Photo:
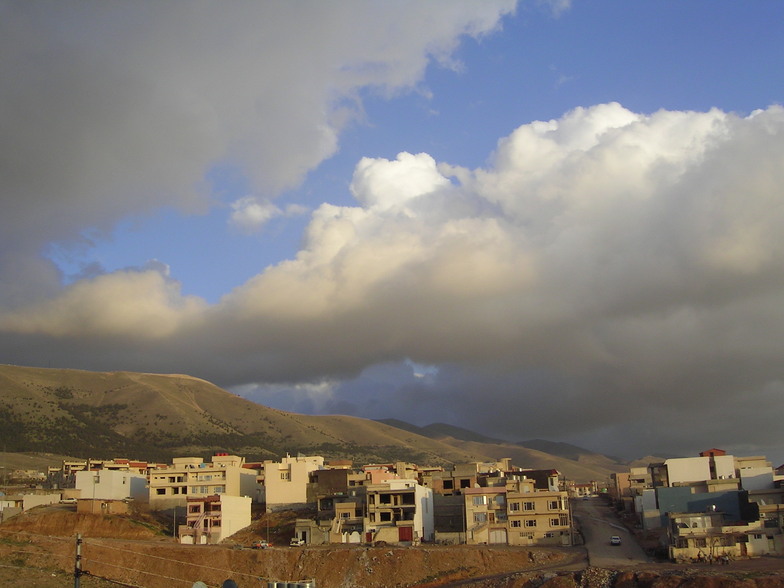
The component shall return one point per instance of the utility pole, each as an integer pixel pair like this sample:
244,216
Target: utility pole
78,562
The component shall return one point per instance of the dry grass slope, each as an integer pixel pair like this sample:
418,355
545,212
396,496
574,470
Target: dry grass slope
157,416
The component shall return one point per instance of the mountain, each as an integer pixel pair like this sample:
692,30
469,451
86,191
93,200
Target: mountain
556,448
440,431
157,417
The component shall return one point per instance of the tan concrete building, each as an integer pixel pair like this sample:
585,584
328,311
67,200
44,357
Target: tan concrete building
517,515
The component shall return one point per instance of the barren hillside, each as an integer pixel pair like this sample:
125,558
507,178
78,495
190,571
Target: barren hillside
154,416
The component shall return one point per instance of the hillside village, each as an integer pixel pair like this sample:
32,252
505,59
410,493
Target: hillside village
711,506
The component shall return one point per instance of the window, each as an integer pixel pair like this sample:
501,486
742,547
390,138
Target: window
160,491
480,517
515,524
385,516
554,505
514,506
285,476
480,500
448,484
530,523
564,520
555,522
528,506
700,542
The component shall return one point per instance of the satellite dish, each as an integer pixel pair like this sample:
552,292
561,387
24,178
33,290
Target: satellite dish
199,584
229,584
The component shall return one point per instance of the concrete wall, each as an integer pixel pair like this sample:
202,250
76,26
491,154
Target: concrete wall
235,514
756,478
688,469
725,466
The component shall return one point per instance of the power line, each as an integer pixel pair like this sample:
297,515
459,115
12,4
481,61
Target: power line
169,559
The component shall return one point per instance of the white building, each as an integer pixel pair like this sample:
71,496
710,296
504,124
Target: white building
111,485
210,519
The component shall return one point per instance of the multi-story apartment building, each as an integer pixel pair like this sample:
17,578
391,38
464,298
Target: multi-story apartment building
191,477
541,517
518,514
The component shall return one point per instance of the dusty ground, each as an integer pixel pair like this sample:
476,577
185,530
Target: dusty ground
38,550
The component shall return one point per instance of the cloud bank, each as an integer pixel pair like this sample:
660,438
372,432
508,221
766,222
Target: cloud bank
607,274
114,110
609,278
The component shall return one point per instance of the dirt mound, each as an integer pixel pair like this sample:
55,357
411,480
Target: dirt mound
62,521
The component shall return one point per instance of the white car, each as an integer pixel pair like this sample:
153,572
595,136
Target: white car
615,540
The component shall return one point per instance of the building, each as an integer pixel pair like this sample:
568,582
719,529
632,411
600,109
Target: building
541,517
485,515
111,485
399,511
711,535
518,514
286,482
210,519
191,477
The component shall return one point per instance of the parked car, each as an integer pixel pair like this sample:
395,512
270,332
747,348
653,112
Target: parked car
260,544
296,542
615,540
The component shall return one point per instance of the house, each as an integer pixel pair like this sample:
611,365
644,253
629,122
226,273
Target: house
170,487
399,511
210,519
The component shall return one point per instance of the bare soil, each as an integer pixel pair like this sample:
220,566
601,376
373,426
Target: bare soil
37,549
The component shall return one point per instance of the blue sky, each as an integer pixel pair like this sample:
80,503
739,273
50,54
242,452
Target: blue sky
352,208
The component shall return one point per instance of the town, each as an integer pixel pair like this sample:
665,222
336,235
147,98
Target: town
696,508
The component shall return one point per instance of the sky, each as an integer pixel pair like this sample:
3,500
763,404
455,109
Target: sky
535,219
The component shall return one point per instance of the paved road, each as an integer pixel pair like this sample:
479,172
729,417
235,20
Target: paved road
597,523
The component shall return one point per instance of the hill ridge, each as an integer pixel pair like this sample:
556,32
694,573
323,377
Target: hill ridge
159,416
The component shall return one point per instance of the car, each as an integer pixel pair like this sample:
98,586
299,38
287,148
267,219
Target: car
296,542
260,544
615,540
